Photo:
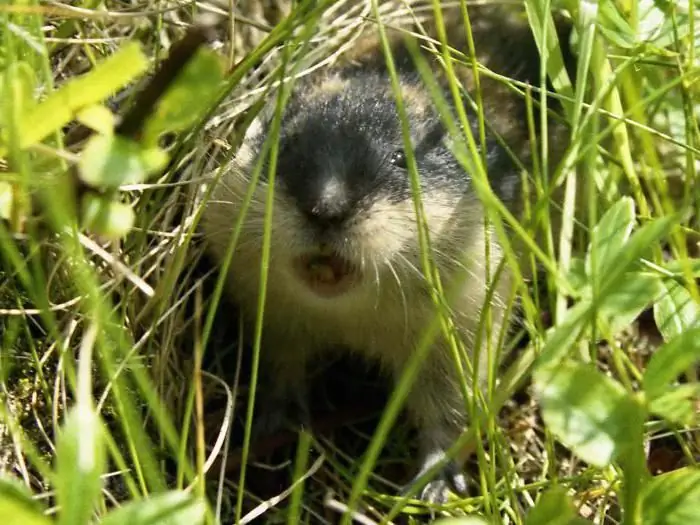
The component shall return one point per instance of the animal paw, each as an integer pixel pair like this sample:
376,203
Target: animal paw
436,491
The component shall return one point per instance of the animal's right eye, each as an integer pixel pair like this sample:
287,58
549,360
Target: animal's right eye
398,159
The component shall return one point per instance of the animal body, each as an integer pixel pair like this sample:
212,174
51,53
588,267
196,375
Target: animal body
345,269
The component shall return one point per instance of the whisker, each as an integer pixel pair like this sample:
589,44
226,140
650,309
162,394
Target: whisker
377,282
470,270
404,302
411,266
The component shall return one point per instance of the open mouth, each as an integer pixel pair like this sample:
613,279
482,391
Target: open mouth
328,275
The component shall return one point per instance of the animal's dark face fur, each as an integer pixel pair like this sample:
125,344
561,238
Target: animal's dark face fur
347,139
344,132
343,203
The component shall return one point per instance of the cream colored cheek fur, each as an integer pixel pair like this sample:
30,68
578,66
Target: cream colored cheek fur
383,240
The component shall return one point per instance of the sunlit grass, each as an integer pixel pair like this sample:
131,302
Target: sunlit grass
138,309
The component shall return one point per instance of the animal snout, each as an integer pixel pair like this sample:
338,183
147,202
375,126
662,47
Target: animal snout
327,214
327,207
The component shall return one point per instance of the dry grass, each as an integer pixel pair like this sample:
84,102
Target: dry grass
160,285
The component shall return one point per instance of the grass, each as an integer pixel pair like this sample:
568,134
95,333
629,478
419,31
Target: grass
125,353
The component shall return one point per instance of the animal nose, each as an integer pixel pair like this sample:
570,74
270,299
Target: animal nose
329,206
325,213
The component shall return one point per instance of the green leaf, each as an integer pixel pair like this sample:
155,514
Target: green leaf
609,237
464,520
154,159
560,338
588,412
17,507
106,217
110,161
554,507
615,26
679,267
677,405
676,311
192,93
104,80
98,118
637,246
623,303
80,459
669,361
673,498
171,508
577,274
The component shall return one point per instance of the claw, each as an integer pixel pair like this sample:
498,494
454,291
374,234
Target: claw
435,492
449,479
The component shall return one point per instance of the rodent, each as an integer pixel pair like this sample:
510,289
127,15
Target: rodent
345,269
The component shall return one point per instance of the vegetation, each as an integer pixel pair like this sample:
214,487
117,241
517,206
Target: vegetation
125,399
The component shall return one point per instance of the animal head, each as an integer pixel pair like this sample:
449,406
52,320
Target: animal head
343,213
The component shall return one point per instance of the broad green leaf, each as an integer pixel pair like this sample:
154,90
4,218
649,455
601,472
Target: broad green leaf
94,87
637,246
98,118
587,411
618,39
676,311
154,160
107,217
110,161
17,507
609,237
669,361
673,498
577,274
635,292
193,92
677,405
615,27
560,338
679,268
554,507
169,508
80,459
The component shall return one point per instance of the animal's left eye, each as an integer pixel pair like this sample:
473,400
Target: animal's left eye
398,159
